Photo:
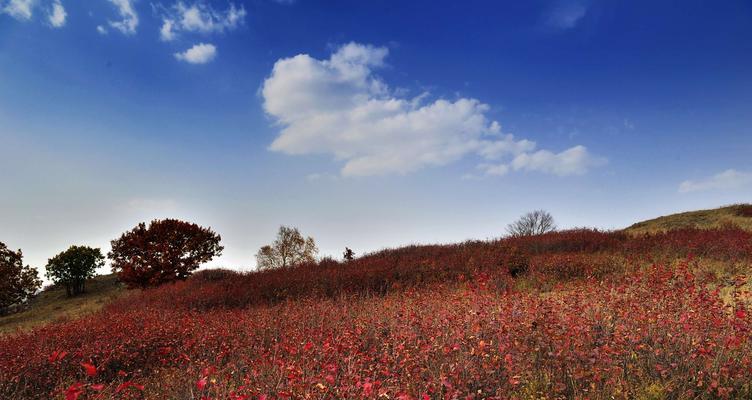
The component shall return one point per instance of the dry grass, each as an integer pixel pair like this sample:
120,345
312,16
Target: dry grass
52,305
738,214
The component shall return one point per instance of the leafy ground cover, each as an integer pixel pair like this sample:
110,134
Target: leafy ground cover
575,314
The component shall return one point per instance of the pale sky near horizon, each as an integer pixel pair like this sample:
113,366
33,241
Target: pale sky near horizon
365,124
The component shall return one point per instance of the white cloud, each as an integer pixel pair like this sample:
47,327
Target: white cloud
165,32
19,9
338,107
57,14
127,25
201,53
574,161
494,169
565,15
198,17
101,29
729,179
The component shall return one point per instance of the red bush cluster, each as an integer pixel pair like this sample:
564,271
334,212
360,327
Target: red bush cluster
744,210
457,328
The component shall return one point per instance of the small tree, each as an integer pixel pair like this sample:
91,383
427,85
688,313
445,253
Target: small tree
17,283
73,267
290,248
166,251
348,255
533,223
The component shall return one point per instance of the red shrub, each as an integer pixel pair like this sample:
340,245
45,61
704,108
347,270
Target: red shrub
743,210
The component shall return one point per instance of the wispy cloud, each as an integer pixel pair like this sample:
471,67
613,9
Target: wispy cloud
574,161
198,17
726,180
337,106
565,15
129,19
201,53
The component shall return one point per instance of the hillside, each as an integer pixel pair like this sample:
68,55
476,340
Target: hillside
52,304
572,314
738,214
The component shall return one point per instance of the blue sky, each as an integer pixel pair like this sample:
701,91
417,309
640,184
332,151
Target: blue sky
366,124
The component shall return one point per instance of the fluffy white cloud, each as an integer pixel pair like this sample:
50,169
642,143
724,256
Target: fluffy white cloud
729,179
338,107
129,19
57,15
200,53
101,30
23,10
19,9
198,17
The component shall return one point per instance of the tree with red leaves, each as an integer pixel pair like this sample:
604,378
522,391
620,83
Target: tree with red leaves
18,283
165,251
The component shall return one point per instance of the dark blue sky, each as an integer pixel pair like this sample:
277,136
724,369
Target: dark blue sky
368,123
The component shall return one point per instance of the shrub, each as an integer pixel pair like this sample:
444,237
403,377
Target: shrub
743,210
568,266
214,275
514,260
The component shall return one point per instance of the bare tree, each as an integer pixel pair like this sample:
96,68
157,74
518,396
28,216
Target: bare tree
533,223
289,249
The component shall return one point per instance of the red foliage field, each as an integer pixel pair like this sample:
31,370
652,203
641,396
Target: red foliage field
576,314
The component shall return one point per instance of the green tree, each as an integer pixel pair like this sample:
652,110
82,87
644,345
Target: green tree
73,267
289,249
17,283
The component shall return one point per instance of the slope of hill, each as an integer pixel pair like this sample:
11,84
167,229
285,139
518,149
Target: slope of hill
737,214
52,304
573,314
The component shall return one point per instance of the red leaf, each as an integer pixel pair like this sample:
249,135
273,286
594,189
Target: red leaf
74,391
201,384
98,387
126,385
57,355
90,369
